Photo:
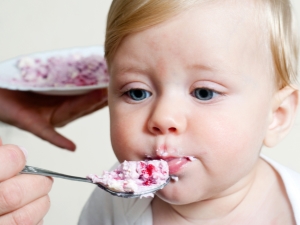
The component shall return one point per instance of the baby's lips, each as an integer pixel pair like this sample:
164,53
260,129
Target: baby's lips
175,164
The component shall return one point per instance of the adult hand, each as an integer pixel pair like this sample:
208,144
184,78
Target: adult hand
23,198
40,114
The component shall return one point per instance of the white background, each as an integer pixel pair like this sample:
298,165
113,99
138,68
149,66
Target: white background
29,26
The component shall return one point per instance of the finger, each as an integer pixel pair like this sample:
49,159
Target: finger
95,109
41,128
84,113
21,190
75,107
49,134
12,161
30,214
41,222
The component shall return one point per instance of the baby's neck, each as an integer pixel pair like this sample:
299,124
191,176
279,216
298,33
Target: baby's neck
234,207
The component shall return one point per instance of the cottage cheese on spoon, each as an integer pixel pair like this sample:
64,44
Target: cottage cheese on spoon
134,176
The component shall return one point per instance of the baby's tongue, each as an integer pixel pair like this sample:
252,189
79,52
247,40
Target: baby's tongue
176,163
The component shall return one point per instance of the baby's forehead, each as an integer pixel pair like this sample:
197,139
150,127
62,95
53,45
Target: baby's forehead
216,25
199,40
240,16
271,22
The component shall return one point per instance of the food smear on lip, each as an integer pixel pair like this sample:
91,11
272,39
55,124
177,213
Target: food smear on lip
191,158
174,178
134,176
58,71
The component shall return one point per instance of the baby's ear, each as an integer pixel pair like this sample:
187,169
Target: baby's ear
282,115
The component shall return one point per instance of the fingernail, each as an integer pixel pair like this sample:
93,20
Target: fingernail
24,150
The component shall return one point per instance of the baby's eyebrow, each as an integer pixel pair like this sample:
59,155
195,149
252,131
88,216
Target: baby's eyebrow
123,69
199,66
141,70
218,71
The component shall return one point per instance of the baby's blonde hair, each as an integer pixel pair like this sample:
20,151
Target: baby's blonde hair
129,16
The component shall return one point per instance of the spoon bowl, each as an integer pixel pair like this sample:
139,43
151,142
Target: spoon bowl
44,172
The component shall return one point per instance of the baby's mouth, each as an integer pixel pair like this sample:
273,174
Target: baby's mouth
175,163
173,156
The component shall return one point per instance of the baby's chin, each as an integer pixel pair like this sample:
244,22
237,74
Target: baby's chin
176,193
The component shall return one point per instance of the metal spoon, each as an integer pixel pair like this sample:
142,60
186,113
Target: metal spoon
43,172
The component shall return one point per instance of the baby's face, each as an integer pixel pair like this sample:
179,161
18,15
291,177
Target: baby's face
196,85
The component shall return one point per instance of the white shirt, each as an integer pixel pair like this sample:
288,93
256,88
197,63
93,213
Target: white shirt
291,181
105,209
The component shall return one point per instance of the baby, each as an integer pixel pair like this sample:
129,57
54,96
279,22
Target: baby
210,79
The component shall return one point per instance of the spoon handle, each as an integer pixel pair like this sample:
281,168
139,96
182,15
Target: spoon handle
43,172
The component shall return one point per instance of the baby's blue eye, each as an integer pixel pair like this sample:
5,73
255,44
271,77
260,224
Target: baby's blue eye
203,94
138,94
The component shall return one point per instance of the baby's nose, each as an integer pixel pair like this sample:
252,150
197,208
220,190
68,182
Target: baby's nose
162,129
166,118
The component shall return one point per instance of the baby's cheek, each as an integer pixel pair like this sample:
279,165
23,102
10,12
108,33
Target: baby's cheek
123,141
117,141
228,141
